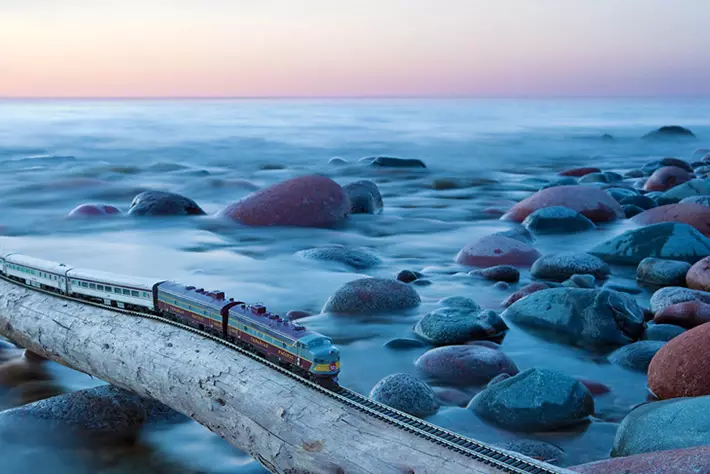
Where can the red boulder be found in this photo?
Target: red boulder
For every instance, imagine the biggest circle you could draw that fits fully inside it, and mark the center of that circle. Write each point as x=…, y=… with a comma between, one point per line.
x=681, y=367
x=593, y=202
x=689, y=213
x=698, y=277
x=579, y=172
x=688, y=314
x=525, y=291
x=93, y=210
x=493, y=250
x=667, y=177
x=677, y=461
x=308, y=201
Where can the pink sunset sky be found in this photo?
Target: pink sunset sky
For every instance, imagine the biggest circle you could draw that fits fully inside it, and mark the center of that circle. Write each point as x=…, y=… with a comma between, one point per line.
x=273, y=48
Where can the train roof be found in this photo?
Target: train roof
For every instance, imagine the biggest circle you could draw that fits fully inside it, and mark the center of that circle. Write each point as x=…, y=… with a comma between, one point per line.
x=258, y=316
x=38, y=263
x=213, y=299
x=142, y=283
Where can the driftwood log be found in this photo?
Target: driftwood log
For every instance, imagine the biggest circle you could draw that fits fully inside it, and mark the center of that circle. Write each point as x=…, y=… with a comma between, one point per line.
x=287, y=427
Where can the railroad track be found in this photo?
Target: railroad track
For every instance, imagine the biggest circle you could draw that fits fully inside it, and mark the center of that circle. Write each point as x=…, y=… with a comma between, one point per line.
x=503, y=460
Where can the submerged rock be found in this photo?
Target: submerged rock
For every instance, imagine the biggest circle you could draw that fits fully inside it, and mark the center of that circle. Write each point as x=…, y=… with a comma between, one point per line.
x=673, y=241
x=337, y=161
x=579, y=172
x=505, y=273
x=494, y=250
x=579, y=316
x=534, y=400
x=662, y=272
x=468, y=365
x=407, y=276
x=561, y=266
x=372, y=295
x=406, y=393
x=663, y=332
x=458, y=325
x=669, y=132
x=643, y=202
x=160, y=203
x=357, y=259
x=459, y=302
x=307, y=201
x=94, y=210
x=580, y=281
x=557, y=220
x=636, y=356
x=365, y=197
x=390, y=162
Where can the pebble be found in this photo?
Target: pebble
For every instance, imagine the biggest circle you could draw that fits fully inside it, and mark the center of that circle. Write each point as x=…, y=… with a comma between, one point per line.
x=355, y=258
x=365, y=197
x=372, y=295
x=406, y=393
x=561, y=266
x=466, y=365
x=692, y=214
x=605, y=177
x=636, y=356
x=452, y=397
x=337, y=161
x=406, y=276
x=557, y=220
x=446, y=326
x=534, y=400
x=667, y=177
x=662, y=272
x=296, y=314
x=421, y=282
x=671, y=295
x=594, y=387
x=495, y=250
x=631, y=210
x=506, y=273
x=681, y=367
x=160, y=203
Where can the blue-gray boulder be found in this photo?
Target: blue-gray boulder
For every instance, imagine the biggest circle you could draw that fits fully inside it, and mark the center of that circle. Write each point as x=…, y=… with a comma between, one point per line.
x=636, y=356
x=507, y=273
x=580, y=281
x=671, y=295
x=459, y=302
x=160, y=203
x=620, y=193
x=668, y=240
x=365, y=197
x=561, y=266
x=406, y=393
x=644, y=202
x=663, y=332
x=391, y=162
x=668, y=424
x=660, y=272
x=669, y=132
x=534, y=400
x=694, y=187
x=445, y=326
x=603, y=177
x=579, y=316
x=355, y=258
x=372, y=295
x=557, y=220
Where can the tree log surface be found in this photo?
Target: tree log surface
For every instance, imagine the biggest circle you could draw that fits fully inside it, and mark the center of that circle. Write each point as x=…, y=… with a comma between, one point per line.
x=286, y=426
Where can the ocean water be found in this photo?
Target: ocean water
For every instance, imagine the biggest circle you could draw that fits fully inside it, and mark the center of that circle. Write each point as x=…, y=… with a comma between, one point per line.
x=56, y=155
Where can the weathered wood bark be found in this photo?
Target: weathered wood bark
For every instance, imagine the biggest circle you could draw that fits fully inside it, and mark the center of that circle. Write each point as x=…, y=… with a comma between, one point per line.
x=287, y=427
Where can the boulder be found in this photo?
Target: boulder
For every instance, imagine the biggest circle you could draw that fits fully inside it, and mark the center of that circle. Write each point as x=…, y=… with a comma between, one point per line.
x=580, y=316
x=365, y=197
x=445, y=326
x=372, y=295
x=694, y=187
x=406, y=276
x=307, y=201
x=406, y=393
x=594, y=203
x=681, y=367
x=557, y=220
x=579, y=172
x=669, y=132
x=505, y=273
x=663, y=332
x=675, y=461
x=494, y=250
x=644, y=202
x=459, y=302
x=561, y=266
x=580, y=281
x=390, y=162
x=703, y=200
x=355, y=258
x=669, y=424
x=94, y=210
x=692, y=214
x=669, y=240
x=160, y=203
x=525, y=291
x=672, y=295
x=468, y=365
x=636, y=356
x=660, y=272
x=534, y=400
x=621, y=193
x=667, y=177
x=698, y=276
x=687, y=314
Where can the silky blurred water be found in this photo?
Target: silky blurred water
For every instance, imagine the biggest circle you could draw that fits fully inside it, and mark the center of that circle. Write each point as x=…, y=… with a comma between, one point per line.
x=56, y=155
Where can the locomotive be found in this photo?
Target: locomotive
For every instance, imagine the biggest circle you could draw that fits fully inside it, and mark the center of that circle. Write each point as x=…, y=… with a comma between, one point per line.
x=250, y=326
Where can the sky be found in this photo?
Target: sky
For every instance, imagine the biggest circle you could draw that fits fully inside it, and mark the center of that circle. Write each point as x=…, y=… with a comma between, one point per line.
x=354, y=48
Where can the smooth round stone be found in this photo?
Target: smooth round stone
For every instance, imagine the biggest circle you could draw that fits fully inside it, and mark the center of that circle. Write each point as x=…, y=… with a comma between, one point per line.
x=525, y=291
x=390, y=162
x=672, y=295
x=94, y=210
x=644, y=202
x=307, y=201
x=621, y=193
x=561, y=266
x=687, y=314
x=698, y=276
x=357, y=259
x=652, y=166
x=445, y=326
x=495, y=250
x=536, y=449
x=695, y=215
x=667, y=177
x=406, y=393
x=594, y=203
x=681, y=367
x=337, y=161
x=662, y=272
x=580, y=281
x=669, y=240
x=557, y=220
x=159, y=203
x=694, y=187
x=534, y=400
x=505, y=273
x=365, y=197
x=675, y=461
x=579, y=172
x=703, y=200
x=467, y=365
x=404, y=344
x=636, y=356
x=459, y=302
x=406, y=276
x=663, y=332
x=607, y=177
x=372, y=295
x=631, y=210
x=668, y=424
x=669, y=132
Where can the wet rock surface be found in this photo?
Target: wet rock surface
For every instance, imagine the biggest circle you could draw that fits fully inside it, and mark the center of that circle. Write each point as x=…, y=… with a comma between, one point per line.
x=160, y=203
x=676, y=461
x=391, y=162
x=669, y=132
x=406, y=393
x=495, y=250
x=372, y=295
x=355, y=258
x=636, y=356
x=468, y=365
x=365, y=197
x=557, y=220
x=595, y=204
x=662, y=272
x=446, y=326
x=561, y=266
x=692, y=214
x=507, y=273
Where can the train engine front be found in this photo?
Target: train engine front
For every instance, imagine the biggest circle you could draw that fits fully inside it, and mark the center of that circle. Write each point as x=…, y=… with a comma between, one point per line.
x=324, y=355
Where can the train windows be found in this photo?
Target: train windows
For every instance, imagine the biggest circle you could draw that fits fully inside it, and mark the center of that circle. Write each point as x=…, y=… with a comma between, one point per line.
x=135, y=293
x=84, y=284
x=107, y=288
x=92, y=286
x=145, y=295
x=100, y=287
x=127, y=292
x=117, y=290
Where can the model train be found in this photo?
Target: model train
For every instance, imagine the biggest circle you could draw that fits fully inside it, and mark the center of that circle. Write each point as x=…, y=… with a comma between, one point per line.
x=250, y=326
